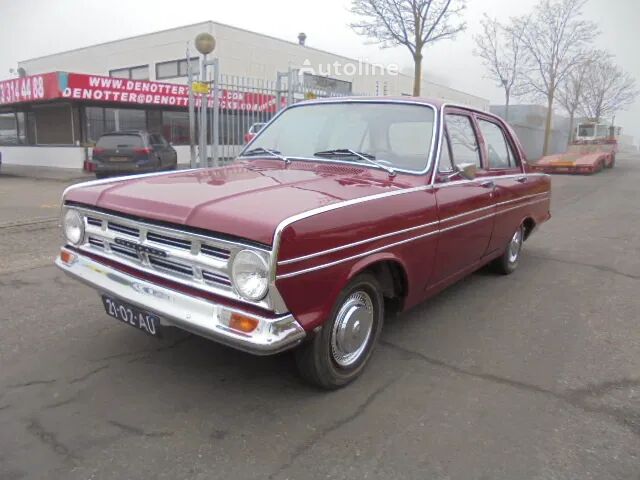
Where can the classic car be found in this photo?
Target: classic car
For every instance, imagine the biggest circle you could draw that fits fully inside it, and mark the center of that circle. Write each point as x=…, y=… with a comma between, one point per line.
x=339, y=213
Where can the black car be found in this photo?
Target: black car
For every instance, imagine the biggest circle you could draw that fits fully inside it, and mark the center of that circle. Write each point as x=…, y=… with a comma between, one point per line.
x=133, y=151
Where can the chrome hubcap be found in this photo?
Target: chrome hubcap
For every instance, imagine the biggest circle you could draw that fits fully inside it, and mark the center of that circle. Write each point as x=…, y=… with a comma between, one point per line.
x=352, y=329
x=515, y=246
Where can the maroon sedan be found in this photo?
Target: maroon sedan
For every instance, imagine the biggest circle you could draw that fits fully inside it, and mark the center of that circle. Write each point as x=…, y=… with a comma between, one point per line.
x=338, y=214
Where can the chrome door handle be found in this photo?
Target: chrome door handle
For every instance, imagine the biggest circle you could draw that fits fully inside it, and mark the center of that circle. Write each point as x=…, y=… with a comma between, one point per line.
x=488, y=184
x=522, y=179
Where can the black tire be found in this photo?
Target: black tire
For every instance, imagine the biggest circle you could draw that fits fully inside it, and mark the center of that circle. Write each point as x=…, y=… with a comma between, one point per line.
x=316, y=360
x=507, y=263
x=102, y=175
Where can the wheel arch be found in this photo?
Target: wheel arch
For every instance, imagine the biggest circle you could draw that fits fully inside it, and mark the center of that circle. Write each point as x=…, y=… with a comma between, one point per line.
x=391, y=273
x=529, y=225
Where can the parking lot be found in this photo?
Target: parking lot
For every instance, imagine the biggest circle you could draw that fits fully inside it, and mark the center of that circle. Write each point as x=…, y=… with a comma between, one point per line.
x=535, y=375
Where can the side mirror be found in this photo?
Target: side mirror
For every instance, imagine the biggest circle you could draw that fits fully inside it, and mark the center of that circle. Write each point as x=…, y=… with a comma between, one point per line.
x=467, y=170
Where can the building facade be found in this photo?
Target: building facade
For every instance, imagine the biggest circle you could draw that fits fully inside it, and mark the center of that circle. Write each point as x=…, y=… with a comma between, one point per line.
x=53, y=114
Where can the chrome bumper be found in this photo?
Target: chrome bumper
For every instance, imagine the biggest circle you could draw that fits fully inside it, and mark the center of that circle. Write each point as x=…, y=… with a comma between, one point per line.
x=196, y=315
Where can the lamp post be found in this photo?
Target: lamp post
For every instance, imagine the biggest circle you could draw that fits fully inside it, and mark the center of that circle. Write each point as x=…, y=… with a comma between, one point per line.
x=205, y=44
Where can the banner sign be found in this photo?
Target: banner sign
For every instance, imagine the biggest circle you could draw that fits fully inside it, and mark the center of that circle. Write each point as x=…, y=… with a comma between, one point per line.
x=29, y=89
x=100, y=89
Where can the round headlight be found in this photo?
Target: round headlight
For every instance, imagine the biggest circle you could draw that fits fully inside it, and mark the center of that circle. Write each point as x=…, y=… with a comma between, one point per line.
x=250, y=275
x=73, y=227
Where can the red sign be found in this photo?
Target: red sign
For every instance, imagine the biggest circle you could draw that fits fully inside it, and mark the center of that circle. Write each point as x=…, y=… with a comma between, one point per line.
x=94, y=88
x=97, y=88
x=29, y=89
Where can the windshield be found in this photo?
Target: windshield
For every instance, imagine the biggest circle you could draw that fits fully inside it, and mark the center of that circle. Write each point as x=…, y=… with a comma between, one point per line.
x=394, y=134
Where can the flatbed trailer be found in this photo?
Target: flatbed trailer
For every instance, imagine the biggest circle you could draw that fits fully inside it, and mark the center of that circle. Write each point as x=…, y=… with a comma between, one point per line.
x=594, y=149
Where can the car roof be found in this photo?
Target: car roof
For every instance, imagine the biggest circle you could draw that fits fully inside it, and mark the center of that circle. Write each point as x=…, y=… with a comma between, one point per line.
x=429, y=101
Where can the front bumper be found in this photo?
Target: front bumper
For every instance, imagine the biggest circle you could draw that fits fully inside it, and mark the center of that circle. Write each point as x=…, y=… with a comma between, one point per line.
x=176, y=309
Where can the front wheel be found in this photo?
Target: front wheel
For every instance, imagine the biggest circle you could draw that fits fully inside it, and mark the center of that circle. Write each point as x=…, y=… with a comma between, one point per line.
x=339, y=352
x=508, y=262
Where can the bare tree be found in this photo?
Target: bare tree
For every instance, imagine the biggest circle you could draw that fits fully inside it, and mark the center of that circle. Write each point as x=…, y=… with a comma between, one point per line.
x=502, y=53
x=570, y=92
x=556, y=39
x=412, y=23
x=607, y=89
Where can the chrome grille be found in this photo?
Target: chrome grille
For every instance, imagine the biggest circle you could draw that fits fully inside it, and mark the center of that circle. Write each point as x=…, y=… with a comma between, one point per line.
x=171, y=241
x=196, y=260
x=118, y=227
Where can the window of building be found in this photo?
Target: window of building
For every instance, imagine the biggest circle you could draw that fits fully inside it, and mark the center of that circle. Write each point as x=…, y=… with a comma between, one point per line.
x=54, y=125
x=141, y=72
x=12, y=128
x=464, y=144
x=176, y=68
x=99, y=121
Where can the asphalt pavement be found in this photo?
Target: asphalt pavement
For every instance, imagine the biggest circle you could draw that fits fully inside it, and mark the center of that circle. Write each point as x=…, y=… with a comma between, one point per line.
x=531, y=376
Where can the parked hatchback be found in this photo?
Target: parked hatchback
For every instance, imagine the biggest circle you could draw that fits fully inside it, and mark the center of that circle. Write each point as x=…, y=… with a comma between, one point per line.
x=133, y=152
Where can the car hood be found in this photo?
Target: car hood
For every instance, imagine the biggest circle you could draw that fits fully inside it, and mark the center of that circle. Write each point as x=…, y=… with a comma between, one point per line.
x=247, y=199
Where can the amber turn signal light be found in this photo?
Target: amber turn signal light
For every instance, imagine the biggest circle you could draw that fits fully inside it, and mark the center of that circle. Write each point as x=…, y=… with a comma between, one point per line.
x=242, y=323
x=67, y=257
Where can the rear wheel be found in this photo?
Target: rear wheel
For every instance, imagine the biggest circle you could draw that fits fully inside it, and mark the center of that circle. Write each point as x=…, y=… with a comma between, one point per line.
x=339, y=352
x=508, y=262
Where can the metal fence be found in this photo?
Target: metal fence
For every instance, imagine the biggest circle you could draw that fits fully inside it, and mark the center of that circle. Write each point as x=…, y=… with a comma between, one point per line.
x=245, y=104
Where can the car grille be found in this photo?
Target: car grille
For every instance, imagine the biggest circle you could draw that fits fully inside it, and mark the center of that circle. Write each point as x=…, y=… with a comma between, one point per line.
x=197, y=260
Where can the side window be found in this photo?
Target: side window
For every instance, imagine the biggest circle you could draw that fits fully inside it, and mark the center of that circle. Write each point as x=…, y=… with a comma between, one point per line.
x=464, y=144
x=446, y=163
x=157, y=140
x=499, y=153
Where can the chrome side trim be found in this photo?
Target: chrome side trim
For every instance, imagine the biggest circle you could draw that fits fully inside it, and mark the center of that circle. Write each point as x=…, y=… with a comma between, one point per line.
x=435, y=232
x=406, y=230
x=277, y=236
x=464, y=224
x=355, y=244
x=353, y=257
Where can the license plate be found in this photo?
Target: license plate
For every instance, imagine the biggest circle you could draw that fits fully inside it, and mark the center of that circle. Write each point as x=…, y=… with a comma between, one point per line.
x=147, y=322
x=118, y=159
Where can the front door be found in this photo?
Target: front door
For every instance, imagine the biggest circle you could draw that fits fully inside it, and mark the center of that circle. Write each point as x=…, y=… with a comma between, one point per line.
x=466, y=208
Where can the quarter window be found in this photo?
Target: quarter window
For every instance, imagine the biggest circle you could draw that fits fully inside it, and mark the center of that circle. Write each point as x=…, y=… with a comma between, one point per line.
x=499, y=153
x=464, y=144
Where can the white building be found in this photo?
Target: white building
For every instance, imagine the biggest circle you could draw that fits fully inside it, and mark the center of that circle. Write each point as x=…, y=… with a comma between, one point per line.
x=48, y=109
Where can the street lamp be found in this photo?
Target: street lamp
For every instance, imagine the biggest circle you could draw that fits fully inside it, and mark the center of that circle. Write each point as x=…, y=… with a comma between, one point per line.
x=205, y=44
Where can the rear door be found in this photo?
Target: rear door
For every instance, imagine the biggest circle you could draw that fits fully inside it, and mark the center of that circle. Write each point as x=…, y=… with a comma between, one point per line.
x=504, y=166
x=465, y=207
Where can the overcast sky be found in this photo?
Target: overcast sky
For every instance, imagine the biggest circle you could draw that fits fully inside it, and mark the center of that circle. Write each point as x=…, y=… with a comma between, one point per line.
x=32, y=28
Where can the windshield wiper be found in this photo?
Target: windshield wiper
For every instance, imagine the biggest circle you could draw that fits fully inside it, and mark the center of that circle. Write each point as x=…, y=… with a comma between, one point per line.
x=261, y=150
x=367, y=157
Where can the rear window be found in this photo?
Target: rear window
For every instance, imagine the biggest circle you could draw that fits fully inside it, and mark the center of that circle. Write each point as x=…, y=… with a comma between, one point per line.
x=119, y=141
